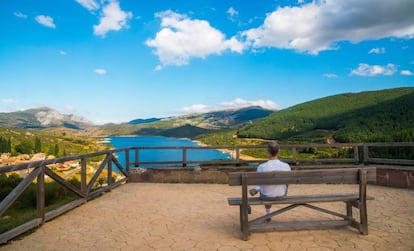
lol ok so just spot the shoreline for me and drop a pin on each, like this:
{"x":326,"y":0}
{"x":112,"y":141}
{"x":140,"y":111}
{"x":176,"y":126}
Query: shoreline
{"x":230,"y":151}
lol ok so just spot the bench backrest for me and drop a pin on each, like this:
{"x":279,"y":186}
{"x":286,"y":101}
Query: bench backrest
{"x":343,"y":176}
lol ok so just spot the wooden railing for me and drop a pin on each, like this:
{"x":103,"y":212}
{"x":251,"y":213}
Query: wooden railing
{"x":38,"y":170}
{"x":360,"y":154}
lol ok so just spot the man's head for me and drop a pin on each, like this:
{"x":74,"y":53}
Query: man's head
{"x":273,"y":148}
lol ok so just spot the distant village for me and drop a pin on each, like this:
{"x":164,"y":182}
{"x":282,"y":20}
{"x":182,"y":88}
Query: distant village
{"x":7,"y":159}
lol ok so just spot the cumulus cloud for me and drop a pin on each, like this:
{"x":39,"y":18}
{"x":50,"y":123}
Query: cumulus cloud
{"x":45,"y":21}
{"x":407,"y":73}
{"x":319,"y":25}
{"x":233,"y":104}
{"x":367,"y":70}
{"x":377,"y":50}
{"x":63,"y":53}
{"x":330,"y":75}
{"x":90,"y":5}
{"x":182,"y":38}
{"x":100,"y":71}
{"x":232,"y":13}
{"x":19,"y":14}
{"x":112,"y":19}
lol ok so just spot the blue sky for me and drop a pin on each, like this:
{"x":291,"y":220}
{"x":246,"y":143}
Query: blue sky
{"x":114,"y":61}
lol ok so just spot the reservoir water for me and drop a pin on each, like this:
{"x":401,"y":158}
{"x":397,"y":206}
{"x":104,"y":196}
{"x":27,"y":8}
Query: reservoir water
{"x":163,"y":155}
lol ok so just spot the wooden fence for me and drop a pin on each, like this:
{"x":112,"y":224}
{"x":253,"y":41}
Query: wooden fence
{"x":360,"y":154}
{"x":38,"y":170}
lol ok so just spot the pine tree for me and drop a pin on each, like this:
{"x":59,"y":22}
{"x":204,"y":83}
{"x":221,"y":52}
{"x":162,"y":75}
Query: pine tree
{"x":37,"y":145}
{"x":56,"y":150}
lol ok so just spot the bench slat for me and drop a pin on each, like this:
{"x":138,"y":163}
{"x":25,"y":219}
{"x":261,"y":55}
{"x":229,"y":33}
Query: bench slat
{"x":237,"y":201}
{"x":298,"y":225}
{"x":344,"y":176}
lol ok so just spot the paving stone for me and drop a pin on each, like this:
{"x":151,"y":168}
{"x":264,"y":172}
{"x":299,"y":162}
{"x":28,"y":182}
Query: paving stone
{"x":145,"y":216}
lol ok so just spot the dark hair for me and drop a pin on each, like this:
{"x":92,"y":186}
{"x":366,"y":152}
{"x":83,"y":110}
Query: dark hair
{"x":273,"y":148}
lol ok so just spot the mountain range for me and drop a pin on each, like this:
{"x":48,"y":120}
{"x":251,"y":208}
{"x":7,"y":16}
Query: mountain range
{"x":189,"y":125}
{"x":43,"y":117}
{"x":372,"y":116}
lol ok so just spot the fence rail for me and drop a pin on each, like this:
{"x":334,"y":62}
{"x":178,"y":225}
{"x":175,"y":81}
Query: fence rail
{"x":38,"y":170}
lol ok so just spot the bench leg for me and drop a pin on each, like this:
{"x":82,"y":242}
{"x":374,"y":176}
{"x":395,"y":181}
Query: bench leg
{"x":245,"y":222}
{"x":349,"y":209}
{"x":364,"y":218}
{"x":241,"y":218}
{"x":363,"y":201}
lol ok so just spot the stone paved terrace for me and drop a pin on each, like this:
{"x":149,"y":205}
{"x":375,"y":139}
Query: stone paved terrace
{"x":144,"y":216}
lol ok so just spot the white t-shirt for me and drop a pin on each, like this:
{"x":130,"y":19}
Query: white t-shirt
{"x":271,"y":166}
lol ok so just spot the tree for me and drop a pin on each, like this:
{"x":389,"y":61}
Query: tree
{"x":25,"y":147}
{"x":56,"y":150}
{"x":5,"y":145}
{"x":37,"y":145}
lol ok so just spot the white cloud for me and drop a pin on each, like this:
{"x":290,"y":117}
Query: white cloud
{"x":377,"y":50}
{"x":374,"y":70}
{"x":19,"y":14}
{"x":8,"y":101}
{"x":196,"y":108}
{"x":63,"y":53}
{"x":330,"y":75}
{"x":69,"y":108}
{"x":240,"y":103}
{"x":112,"y":19}
{"x":90,"y":5}
{"x":100,"y":71}
{"x":45,"y":21}
{"x":182,"y":38}
{"x":319,"y":25}
{"x":158,"y":68}
{"x":233,"y":104}
{"x":232,"y":13}
{"x":300,"y":1}
{"x":407,"y":73}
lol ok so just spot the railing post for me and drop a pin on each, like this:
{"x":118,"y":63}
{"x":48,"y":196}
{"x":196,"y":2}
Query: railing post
{"x":136,"y":157}
{"x":110,"y":172}
{"x":366,"y":154}
{"x":237,"y":150}
{"x":294,"y":160}
{"x":40,"y":194}
{"x":84,"y":189}
{"x":127,"y":161}
{"x":356,"y":155}
{"x":184,"y":157}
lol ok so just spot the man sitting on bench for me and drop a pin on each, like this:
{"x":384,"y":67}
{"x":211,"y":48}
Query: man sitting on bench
{"x":271,"y":192}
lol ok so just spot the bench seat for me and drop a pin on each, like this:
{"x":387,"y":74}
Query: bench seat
{"x":297,"y":199}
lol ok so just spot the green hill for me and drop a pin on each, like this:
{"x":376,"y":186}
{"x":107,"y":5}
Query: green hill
{"x":189,"y":125}
{"x":55,"y":141}
{"x":386,"y":115}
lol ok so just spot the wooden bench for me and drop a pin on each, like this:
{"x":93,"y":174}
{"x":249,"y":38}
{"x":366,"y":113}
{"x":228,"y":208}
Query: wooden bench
{"x":331,"y":176}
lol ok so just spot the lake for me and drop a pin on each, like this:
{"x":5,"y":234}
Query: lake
{"x":163,"y":155}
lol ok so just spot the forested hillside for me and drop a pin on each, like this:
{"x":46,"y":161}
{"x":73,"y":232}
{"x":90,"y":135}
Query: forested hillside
{"x":375,"y":116}
{"x":57,"y":142}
